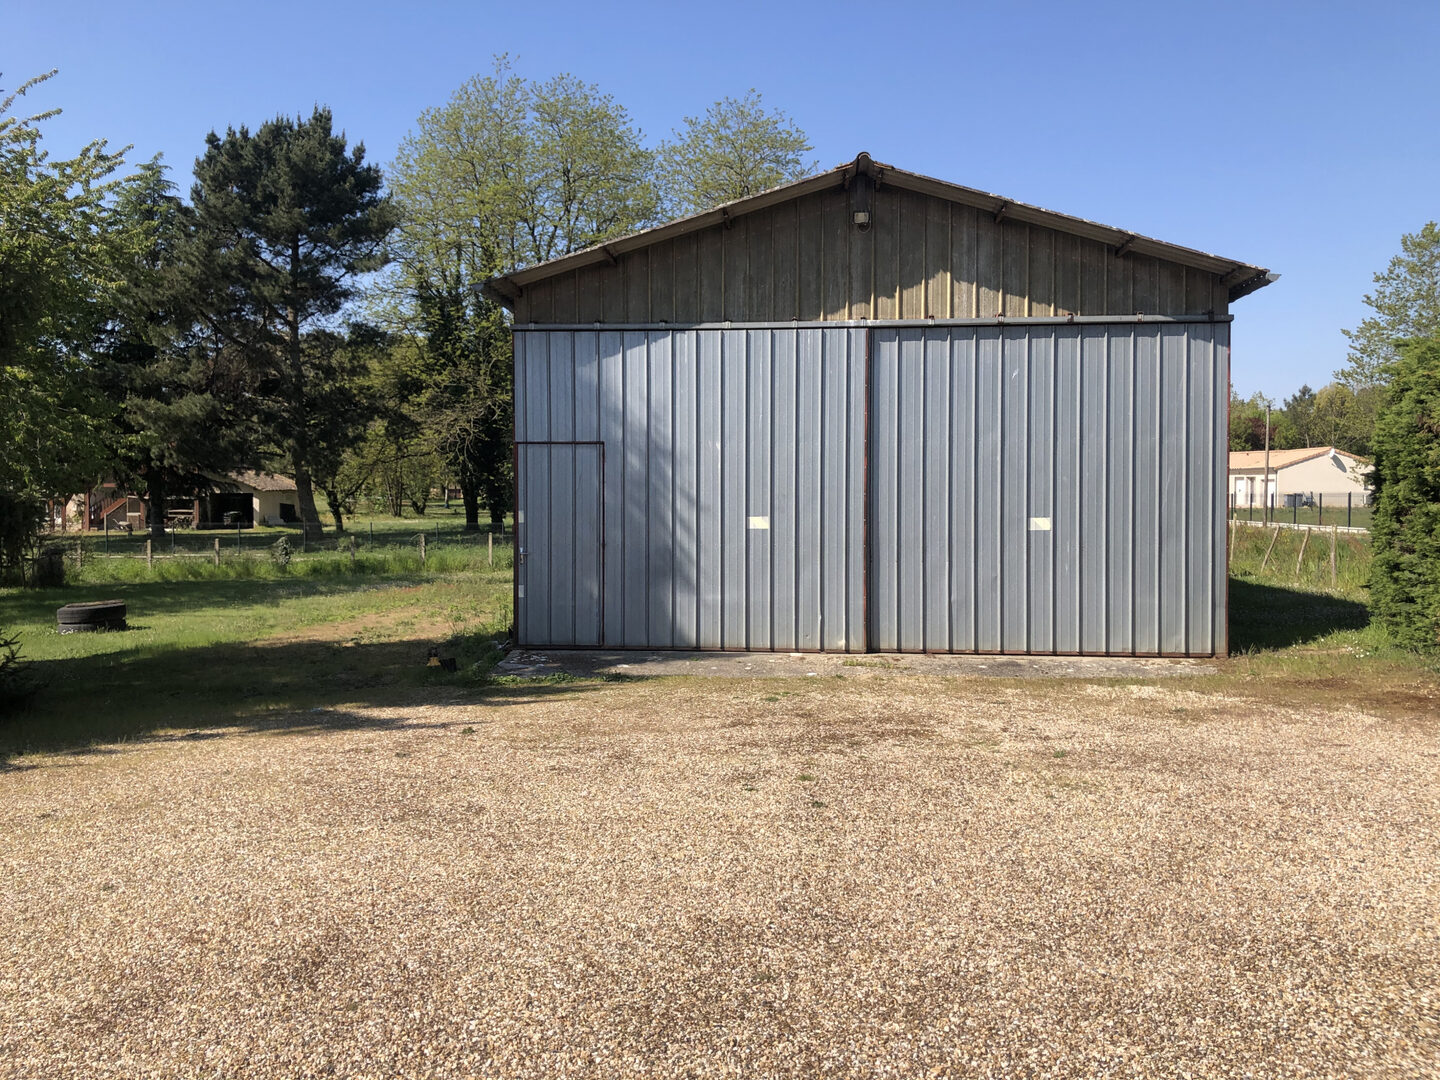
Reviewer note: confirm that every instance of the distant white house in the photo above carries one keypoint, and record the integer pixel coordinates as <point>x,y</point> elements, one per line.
<point>1316,471</point>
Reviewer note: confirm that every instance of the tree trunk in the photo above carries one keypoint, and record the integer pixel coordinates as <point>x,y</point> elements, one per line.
<point>305,493</point>
<point>155,501</point>
<point>470,495</point>
<point>334,500</point>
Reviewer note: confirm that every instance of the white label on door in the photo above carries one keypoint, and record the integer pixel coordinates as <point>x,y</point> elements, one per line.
<point>1040,524</point>
<point>521,590</point>
<point>759,523</point>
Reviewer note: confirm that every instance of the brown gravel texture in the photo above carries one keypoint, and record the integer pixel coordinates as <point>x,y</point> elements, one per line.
<point>810,878</point>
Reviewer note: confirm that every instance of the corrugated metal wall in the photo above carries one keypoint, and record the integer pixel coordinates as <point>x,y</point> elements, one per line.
<point>924,257</point>
<point>733,486</point>
<point>1054,488</point>
<point>1049,489</point>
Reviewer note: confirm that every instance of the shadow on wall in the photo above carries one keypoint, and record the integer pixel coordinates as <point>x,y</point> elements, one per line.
<point>1270,617</point>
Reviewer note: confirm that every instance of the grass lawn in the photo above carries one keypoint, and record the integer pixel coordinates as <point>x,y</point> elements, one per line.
<point>238,643</point>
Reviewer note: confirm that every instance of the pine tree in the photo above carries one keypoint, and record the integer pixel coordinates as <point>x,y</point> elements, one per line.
<point>286,222</point>
<point>1405,573</point>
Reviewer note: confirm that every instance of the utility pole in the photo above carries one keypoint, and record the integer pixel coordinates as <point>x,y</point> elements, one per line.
<point>1267,462</point>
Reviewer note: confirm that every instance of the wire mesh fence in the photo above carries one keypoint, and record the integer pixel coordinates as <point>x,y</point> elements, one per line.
<point>1343,509</point>
<point>221,541</point>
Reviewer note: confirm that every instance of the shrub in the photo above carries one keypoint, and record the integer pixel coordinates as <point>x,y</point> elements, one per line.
<point>16,680</point>
<point>1405,573</point>
<point>281,552</point>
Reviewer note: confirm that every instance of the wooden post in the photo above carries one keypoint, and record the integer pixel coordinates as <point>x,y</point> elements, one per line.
<point>490,548</point>
<point>1269,549</point>
<point>352,551</point>
<point>1301,557</point>
<point>1334,536</point>
<point>107,535</point>
<point>422,549</point>
<point>149,553</point>
<point>79,555</point>
<point>217,551</point>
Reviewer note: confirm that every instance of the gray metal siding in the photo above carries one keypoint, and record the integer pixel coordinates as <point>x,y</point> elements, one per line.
<point>1112,433</point>
<point>1115,433</point>
<point>703,430</point>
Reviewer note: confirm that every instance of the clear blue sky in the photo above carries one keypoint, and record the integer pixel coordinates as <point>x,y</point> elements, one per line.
<point>1300,136</point>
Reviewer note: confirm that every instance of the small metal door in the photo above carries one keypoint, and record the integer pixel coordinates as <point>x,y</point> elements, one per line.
<point>560,585</point>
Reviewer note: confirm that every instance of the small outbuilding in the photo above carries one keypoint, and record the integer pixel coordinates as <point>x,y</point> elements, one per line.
<point>874,411</point>
<point>248,498</point>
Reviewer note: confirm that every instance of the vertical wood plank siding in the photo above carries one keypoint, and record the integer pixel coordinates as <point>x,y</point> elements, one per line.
<point>923,257</point>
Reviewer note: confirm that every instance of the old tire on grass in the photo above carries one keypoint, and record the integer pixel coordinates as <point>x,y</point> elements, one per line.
<point>96,615</point>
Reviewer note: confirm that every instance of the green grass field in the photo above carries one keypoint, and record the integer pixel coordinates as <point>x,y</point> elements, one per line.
<point>228,644</point>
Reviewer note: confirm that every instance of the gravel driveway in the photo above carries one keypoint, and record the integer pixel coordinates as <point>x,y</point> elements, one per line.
<point>805,877</point>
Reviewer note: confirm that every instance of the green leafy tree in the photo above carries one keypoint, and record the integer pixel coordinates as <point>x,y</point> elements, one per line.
<point>56,232</point>
<point>1295,425</point>
<point>1405,573</point>
<point>508,173</point>
<point>1406,306</point>
<point>1247,422</point>
<point>287,221</point>
<point>735,150</point>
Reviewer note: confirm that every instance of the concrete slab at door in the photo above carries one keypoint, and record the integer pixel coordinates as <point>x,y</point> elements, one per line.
<point>560,576</point>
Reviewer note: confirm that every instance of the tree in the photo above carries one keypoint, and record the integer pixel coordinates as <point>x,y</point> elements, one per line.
<point>286,222</point>
<point>179,390</point>
<point>735,150</point>
<point>512,172</point>
<point>1295,425</point>
<point>508,173</point>
<point>1405,534</point>
<point>54,280</point>
<point>1406,303</point>
<point>1247,422</point>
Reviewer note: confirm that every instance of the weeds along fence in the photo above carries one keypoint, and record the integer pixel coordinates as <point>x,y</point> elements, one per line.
<point>369,547</point>
<point>1332,558</point>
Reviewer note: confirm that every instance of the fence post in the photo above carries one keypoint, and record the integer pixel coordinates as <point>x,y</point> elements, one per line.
<point>1299,559</point>
<point>372,534</point>
<point>1294,511</point>
<point>437,534</point>
<point>1269,549</point>
<point>238,542</point>
<point>149,553</point>
<point>1334,535</point>
<point>352,551</point>
<point>422,549</point>
<point>1349,506</point>
<point>217,551</point>
<point>107,536</point>
<point>1320,508</point>
<point>490,548</point>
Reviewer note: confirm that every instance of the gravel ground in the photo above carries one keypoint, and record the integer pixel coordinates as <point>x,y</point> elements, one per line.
<point>811,877</point>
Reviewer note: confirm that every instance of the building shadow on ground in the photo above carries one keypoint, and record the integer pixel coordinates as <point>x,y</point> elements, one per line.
<point>1273,617</point>
<point>197,693</point>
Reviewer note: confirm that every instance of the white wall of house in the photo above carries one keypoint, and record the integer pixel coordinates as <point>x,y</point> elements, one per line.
<point>1330,474</point>
<point>267,505</point>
